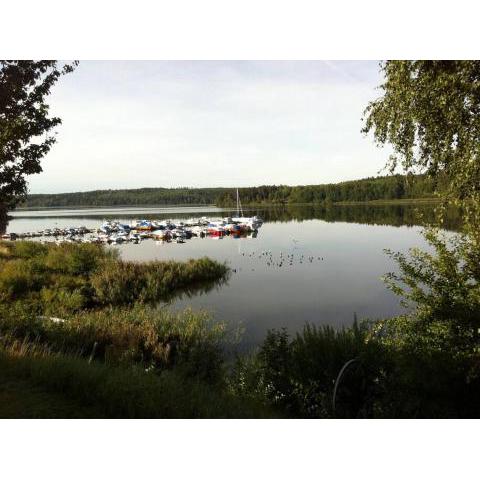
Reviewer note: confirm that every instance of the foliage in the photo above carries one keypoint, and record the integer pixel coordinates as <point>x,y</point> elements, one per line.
<point>25,124</point>
<point>380,188</point>
<point>62,279</point>
<point>442,288</point>
<point>123,391</point>
<point>122,282</point>
<point>154,338</point>
<point>384,377</point>
<point>429,112</point>
<point>297,376</point>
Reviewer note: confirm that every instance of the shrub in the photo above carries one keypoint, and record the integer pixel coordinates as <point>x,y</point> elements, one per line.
<point>62,302</point>
<point>18,278</point>
<point>75,259</point>
<point>120,283</point>
<point>29,249</point>
<point>442,288</point>
<point>297,376</point>
<point>73,277</point>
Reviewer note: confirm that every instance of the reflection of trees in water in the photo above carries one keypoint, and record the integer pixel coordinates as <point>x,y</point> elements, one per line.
<point>198,288</point>
<point>393,215</point>
<point>112,215</point>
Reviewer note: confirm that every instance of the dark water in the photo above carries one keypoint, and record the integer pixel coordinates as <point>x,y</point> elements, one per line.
<point>335,271</point>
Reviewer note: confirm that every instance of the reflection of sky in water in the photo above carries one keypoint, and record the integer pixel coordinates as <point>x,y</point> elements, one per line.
<point>262,296</point>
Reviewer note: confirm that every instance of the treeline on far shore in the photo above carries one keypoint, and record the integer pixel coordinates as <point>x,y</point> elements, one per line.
<point>392,187</point>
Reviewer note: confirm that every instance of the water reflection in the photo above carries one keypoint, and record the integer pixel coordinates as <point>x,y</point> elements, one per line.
<point>395,215</point>
<point>189,291</point>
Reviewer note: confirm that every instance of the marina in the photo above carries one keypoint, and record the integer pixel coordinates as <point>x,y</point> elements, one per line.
<point>116,232</point>
<point>163,230</point>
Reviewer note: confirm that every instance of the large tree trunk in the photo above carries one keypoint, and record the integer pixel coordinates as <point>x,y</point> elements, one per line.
<point>3,218</point>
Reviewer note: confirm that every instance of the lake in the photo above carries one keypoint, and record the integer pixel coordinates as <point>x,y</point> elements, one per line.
<point>306,264</point>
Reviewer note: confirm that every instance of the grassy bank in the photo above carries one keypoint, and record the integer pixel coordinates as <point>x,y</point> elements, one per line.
<point>76,388</point>
<point>82,335</point>
<point>83,329</point>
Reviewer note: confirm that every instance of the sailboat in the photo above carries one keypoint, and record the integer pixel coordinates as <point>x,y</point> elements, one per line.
<point>251,223</point>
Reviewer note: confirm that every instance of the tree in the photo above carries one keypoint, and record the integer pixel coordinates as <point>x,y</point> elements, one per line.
<point>429,112</point>
<point>25,124</point>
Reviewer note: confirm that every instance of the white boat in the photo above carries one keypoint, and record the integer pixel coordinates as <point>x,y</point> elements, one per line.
<point>161,234</point>
<point>116,239</point>
<point>199,230</point>
<point>142,225</point>
<point>106,227</point>
<point>192,222</point>
<point>177,232</point>
<point>250,223</point>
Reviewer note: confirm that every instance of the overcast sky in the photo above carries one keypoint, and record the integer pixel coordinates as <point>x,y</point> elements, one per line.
<point>170,124</point>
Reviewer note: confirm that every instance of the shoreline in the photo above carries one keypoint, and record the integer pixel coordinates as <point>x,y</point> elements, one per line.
<point>379,202</point>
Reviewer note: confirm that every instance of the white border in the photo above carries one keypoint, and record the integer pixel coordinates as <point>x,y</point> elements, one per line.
<point>239,449</point>
<point>247,29</point>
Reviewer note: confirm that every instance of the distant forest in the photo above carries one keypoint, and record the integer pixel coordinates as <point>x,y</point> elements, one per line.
<point>392,187</point>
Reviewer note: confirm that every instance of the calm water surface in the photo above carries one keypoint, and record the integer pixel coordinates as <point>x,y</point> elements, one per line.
<point>337,263</point>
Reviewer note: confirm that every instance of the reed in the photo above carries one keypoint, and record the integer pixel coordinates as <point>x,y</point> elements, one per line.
<point>105,391</point>
<point>59,280</point>
<point>156,339</point>
<point>120,283</point>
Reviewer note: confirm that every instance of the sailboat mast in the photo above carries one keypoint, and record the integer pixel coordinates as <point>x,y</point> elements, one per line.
<point>238,204</point>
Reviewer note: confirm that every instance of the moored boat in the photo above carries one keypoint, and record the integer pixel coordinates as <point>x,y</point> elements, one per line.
<point>216,228</point>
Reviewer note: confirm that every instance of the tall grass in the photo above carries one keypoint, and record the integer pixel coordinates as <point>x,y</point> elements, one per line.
<point>120,391</point>
<point>120,283</point>
<point>156,339</point>
<point>383,378</point>
<point>59,280</point>
<point>111,344</point>
<point>297,376</point>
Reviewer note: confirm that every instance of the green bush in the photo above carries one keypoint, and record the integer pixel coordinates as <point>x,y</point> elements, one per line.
<point>386,376</point>
<point>28,249</point>
<point>121,283</point>
<point>63,279</point>
<point>297,376</point>
<point>62,302</point>
<point>77,259</point>
<point>18,278</point>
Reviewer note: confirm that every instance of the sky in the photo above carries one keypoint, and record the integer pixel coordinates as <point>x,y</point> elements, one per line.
<point>132,124</point>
